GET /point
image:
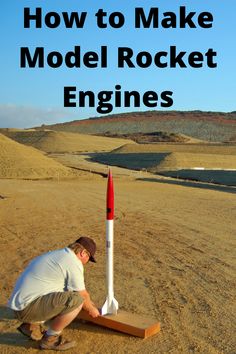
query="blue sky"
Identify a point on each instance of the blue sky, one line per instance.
(30, 97)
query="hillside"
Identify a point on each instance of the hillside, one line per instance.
(208, 126)
(214, 149)
(213, 163)
(19, 161)
(163, 157)
(156, 137)
(167, 161)
(60, 142)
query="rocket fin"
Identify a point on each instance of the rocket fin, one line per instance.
(110, 307)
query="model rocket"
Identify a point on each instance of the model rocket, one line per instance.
(111, 305)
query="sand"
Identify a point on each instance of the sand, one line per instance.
(20, 161)
(206, 148)
(174, 258)
(59, 142)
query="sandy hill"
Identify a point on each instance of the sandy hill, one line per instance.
(225, 149)
(163, 157)
(20, 161)
(179, 161)
(59, 142)
(208, 126)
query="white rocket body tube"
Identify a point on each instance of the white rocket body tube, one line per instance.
(111, 305)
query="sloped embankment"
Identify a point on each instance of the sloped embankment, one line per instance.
(164, 157)
(61, 142)
(20, 161)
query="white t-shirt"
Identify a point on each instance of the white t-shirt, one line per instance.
(55, 271)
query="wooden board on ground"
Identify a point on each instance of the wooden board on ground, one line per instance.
(125, 322)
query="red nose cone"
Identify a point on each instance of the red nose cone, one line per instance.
(110, 197)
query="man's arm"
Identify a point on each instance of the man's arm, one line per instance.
(88, 304)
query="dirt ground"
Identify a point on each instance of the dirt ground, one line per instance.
(174, 258)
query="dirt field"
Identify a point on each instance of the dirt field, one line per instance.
(174, 258)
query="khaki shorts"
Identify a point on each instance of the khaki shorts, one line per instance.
(48, 306)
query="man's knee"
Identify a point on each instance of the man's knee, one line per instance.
(74, 300)
(50, 305)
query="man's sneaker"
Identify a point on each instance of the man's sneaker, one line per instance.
(32, 330)
(55, 343)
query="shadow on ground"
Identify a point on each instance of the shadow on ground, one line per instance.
(9, 335)
(202, 185)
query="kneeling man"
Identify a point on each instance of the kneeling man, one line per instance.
(52, 288)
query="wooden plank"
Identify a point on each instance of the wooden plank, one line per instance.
(125, 322)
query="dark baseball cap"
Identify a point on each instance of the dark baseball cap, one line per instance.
(89, 245)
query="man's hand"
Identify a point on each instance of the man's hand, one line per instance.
(88, 305)
(94, 312)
